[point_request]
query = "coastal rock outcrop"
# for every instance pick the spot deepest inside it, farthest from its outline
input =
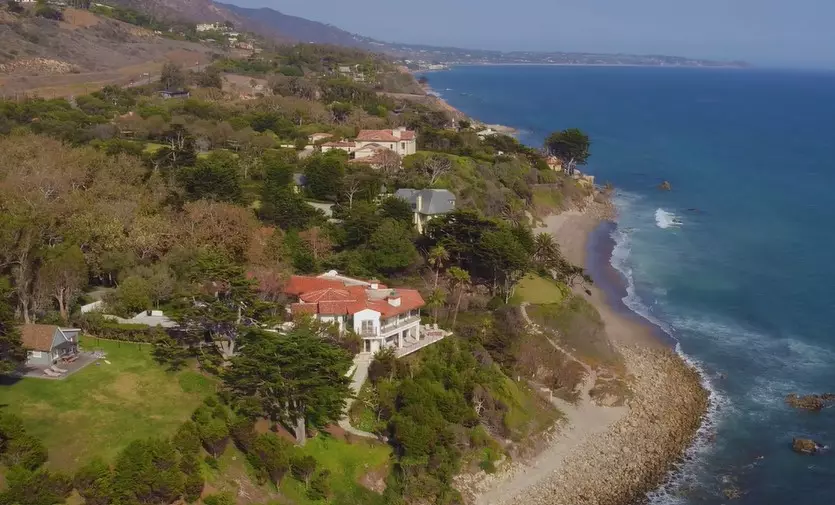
(810, 402)
(805, 446)
(665, 186)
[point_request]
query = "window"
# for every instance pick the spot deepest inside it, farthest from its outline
(37, 354)
(403, 146)
(367, 327)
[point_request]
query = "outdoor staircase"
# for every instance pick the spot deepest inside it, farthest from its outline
(358, 374)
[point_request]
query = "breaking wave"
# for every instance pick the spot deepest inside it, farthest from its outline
(664, 219)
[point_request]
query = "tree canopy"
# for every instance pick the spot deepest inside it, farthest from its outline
(297, 378)
(571, 146)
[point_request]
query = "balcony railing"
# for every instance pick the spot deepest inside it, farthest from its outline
(398, 323)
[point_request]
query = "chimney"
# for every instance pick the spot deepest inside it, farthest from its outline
(375, 284)
(419, 202)
(396, 132)
(394, 299)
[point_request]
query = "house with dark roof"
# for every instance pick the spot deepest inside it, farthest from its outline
(427, 204)
(399, 140)
(174, 93)
(381, 316)
(47, 343)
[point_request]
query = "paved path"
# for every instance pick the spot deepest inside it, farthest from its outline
(361, 363)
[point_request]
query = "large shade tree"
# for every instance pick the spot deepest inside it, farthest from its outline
(570, 146)
(297, 379)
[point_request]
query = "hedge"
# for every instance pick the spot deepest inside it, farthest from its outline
(113, 330)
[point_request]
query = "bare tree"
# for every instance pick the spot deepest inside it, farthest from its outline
(436, 166)
(353, 185)
(388, 161)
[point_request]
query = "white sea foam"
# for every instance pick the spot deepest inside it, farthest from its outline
(688, 471)
(664, 219)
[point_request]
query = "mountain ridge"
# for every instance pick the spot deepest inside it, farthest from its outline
(305, 30)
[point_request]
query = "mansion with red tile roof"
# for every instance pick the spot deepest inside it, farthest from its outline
(399, 140)
(382, 316)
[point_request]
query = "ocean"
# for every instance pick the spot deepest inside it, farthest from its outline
(734, 264)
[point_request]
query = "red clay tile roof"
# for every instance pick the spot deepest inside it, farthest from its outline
(299, 284)
(333, 297)
(37, 337)
(327, 295)
(384, 136)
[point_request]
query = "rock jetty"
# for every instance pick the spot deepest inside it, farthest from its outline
(634, 456)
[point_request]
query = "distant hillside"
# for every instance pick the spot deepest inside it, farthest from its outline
(296, 28)
(304, 30)
(195, 11)
(83, 49)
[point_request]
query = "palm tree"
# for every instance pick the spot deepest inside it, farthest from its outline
(458, 279)
(546, 250)
(438, 256)
(435, 301)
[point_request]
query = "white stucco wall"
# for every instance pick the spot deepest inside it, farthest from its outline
(366, 315)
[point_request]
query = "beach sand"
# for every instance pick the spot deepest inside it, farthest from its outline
(606, 455)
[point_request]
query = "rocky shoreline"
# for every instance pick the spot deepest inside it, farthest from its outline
(635, 456)
(639, 447)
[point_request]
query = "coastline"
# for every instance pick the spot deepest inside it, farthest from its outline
(621, 453)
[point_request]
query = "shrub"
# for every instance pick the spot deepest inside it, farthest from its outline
(45, 11)
(193, 479)
(41, 487)
(320, 486)
(215, 435)
(271, 455)
(187, 438)
(94, 483)
(243, 434)
(25, 451)
(219, 499)
(303, 467)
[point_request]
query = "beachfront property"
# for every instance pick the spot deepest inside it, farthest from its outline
(382, 316)
(399, 140)
(427, 204)
(46, 344)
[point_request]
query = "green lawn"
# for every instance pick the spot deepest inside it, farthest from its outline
(152, 147)
(347, 464)
(538, 290)
(100, 409)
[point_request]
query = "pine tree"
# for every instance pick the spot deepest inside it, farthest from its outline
(12, 353)
(297, 379)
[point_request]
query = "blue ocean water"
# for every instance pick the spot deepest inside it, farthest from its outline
(745, 282)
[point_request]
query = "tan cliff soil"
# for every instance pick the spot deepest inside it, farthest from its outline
(605, 455)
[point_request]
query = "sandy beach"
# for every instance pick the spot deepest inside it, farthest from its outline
(603, 455)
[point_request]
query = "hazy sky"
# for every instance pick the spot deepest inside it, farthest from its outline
(770, 32)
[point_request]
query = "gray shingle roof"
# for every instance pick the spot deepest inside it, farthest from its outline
(433, 201)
